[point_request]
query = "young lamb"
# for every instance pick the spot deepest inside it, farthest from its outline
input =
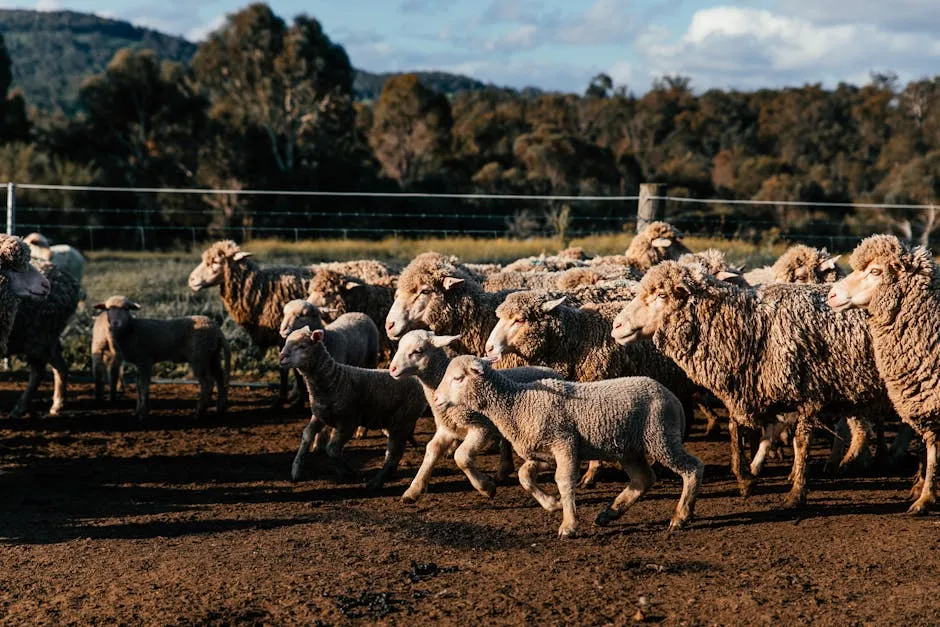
(254, 297)
(799, 264)
(657, 242)
(763, 352)
(18, 280)
(195, 340)
(346, 397)
(351, 338)
(36, 332)
(421, 354)
(624, 420)
(899, 287)
(106, 362)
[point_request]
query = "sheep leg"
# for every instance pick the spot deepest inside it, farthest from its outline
(201, 371)
(220, 366)
(642, 478)
(144, 372)
(901, 443)
(745, 479)
(801, 443)
(838, 450)
(858, 446)
(342, 433)
(691, 469)
(35, 377)
(476, 442)
(393, 452)
(757, 464)
(927, 495)
(589, 480)
(506, 465)
(60, 375)
(566, 478)
(115, 376)
(282, 386)
(435, 449)
(306, 438)
(528, 479)
(98, 374)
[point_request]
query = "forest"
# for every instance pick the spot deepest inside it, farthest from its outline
(268, 103)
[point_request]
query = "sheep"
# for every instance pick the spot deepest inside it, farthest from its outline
(18, 280)
(715, 263)
(573, 257)
(351, 338)
(899, 288)
(624, 420)
(35, 336)
(368, 270)
(254, 297)
(421, 354)
(346, 397)
(762, 352)
(436, 294)
(799, 264)
(657, 242)
(195, 340)
(106, 362)
(562, 279)
(60, 255)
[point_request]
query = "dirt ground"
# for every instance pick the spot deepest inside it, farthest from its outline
(177, 522)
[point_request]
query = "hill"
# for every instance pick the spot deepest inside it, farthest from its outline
(53, 52)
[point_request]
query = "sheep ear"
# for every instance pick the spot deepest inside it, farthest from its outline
(101, 306)
(316, 335)
(724, 275)
(682, 291)
(662, 242)
(549, 305)
(897, 265)
(132, 305)
(440, 341)
(829, 264)
(451, 281)
(351, 285)
(241, 255)
(489, 360)
(476, 366)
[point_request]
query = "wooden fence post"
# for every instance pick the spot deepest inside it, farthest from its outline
(651, 207)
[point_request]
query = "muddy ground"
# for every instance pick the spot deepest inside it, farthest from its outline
(178, 522)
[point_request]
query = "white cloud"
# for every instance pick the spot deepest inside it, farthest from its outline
(522, 38)
(902, 15)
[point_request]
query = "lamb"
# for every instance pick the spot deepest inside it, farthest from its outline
(346, 397)
(18, 280)
(799, 264)
(435, 294)
(351, 338)
(195, 340)
(60, 255)
(899, 288)
(421, 354)
(762, 352)
(254, 297)
(657, 242)
(106, 362)
(35, 336)
(624, 420)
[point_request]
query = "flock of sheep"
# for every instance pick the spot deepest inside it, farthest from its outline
(563, 359)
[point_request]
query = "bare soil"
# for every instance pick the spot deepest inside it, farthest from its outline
(106, 520)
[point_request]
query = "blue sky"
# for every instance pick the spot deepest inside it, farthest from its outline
(559, 44)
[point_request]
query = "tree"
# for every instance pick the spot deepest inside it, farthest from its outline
(411, 130)
(14, 124)
(600, 86)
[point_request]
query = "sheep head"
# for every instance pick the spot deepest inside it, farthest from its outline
(665, 289)
(882, 268)
(524, 324)
(657, 242)
(211, 270)
(300, 347)
(426, 290)
(805, 264)
(330, 291)
(299, 313)
(118, 309)
(715, 263)
(20, 277)
(414, 352)
(462, 375)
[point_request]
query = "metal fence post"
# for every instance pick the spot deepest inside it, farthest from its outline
(11, 208)
(651, 207)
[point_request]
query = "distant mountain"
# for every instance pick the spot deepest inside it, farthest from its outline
(54, 52)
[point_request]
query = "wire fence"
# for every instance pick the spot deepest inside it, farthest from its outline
(150, 218)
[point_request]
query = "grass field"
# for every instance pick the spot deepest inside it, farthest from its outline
(157, 280)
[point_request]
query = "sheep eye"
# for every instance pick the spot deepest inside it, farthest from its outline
(875, 271)
(661, 295)
(458, 378)
(417, 351)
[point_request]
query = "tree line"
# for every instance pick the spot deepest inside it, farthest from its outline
(269, 104)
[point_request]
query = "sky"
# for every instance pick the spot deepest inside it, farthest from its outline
(561, 44)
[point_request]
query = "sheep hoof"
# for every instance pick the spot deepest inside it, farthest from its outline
(746, 486)
(606, 516)
(677, 523)
(794, 501)
(920, 508)
(295, 473)
(411, 497)
(587, 482)
(567, 532)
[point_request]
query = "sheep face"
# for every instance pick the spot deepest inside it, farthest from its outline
(299, 347)
(663, 290)
(856, 290)
(804, 264)
(294, 310)
(523, 323)
(412, 356)
(329, 292)
(212, 269)
(26, 281)
(118, 310)
(414, 306)
(461, 376)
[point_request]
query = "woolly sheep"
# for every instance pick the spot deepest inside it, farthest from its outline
(346, 397)
(254, 297)
(899, 288)
(195, 340)
(35, 336)
(569, 258)
(421, 354)
(624, 420)
(561, 280)
(799, 264)
(18, 280)
(106, 362)
(657, 242)
(368, 270)
(762, 352)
